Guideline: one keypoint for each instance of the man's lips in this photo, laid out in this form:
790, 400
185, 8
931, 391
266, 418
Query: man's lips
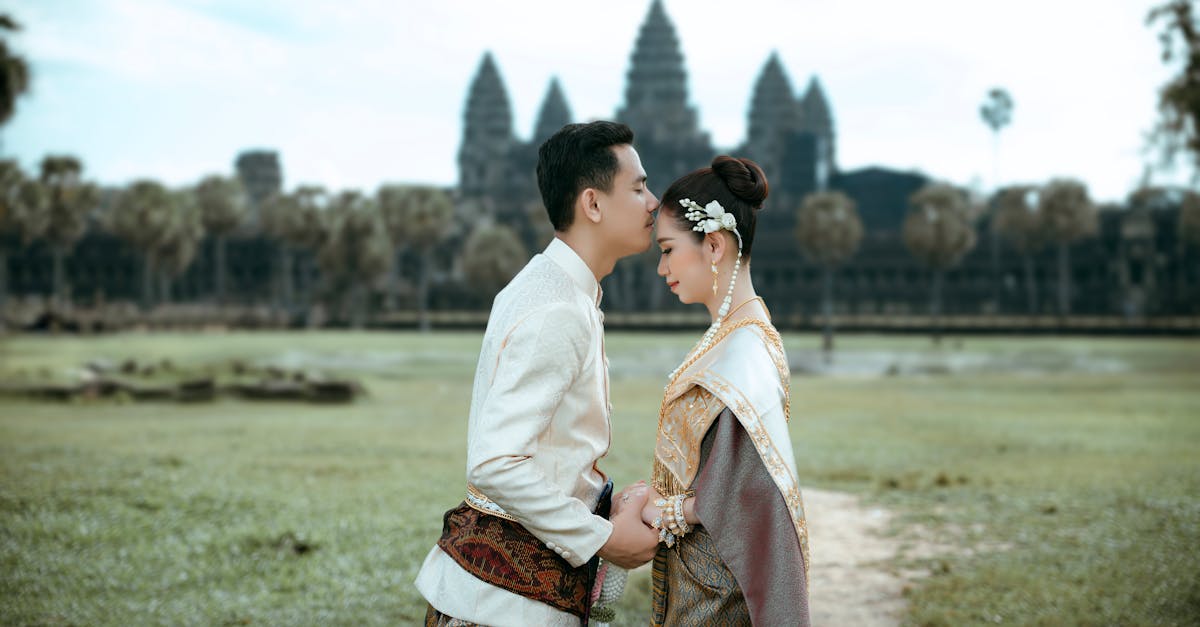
672, 284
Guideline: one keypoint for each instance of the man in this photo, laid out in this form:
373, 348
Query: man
521, 548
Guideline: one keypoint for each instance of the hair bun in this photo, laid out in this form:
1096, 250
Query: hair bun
743, 177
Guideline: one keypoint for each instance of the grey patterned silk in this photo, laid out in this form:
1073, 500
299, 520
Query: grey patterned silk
744, 565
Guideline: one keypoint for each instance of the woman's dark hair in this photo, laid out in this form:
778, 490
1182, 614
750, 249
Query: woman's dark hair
738, 184
575, 158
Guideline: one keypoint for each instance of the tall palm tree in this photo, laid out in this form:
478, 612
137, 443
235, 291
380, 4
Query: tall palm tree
1067, 215
1015, 218
23, 217
357, 253
829, 231
492, 256
70, 202
142, 215
298, 221
393, 203
1178, 129
428, 216
996, 112
540, 226
938, 232
223, 207
177, 247
14, 72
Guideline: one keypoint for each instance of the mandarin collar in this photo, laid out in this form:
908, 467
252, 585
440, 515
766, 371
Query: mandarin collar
581, 275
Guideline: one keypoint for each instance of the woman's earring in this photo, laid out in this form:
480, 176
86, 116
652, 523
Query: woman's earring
714, 269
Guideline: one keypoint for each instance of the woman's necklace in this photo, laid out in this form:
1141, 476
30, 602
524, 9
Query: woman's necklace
709, 338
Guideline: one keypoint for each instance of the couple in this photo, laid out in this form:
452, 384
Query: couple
722, 520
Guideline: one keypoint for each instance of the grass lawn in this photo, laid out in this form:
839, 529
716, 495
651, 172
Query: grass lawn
1070, 465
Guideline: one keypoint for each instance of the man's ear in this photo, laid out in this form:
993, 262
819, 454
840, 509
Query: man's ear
589, 201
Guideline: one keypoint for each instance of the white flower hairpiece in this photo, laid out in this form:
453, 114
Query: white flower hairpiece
711, 218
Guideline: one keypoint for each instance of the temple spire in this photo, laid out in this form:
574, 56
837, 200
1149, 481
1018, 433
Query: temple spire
656, 96
553, 115
817, 119
773, 107
487, 131
488, 115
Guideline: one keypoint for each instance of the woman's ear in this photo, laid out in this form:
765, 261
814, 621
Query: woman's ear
590, 200
717, 245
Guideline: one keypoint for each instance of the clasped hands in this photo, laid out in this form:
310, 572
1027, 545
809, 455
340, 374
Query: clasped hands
633, 541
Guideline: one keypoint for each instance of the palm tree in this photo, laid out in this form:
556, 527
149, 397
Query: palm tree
938, 232
428, 216
298, 221
357, 253
1015, 218
492, 256
141, 215
996, 112
1178, 129
1067, 214
393, 203
23, 216
70, 201
539, 224
176, 249
14, 72
223, 207
829, 231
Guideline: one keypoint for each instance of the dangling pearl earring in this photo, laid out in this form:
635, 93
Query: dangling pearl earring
714, 269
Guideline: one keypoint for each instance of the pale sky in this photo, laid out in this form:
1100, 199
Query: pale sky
357, 93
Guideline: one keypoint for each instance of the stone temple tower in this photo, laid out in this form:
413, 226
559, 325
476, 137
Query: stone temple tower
553, 115
791, 138
261, 176
773, 118
666, 130
816, 118
484, 161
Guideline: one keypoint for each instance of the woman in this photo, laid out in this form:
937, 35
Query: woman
734, 545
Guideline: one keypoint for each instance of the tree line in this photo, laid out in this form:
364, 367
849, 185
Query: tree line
356, 239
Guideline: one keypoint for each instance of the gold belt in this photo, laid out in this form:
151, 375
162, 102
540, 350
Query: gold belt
479, 501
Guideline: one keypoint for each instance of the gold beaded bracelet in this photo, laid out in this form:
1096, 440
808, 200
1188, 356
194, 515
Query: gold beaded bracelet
671, 523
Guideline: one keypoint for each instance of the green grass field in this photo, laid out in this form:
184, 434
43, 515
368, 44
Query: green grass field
1071, 463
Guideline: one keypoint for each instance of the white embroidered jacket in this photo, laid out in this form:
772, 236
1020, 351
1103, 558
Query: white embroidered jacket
539, 423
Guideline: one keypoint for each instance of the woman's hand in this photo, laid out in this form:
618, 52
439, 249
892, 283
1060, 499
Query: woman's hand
650, 511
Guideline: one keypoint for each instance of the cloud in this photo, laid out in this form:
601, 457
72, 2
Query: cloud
362, 92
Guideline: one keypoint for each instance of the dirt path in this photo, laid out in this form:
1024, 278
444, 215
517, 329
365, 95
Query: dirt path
850, 583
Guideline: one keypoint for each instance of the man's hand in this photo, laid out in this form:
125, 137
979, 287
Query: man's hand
632, 543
